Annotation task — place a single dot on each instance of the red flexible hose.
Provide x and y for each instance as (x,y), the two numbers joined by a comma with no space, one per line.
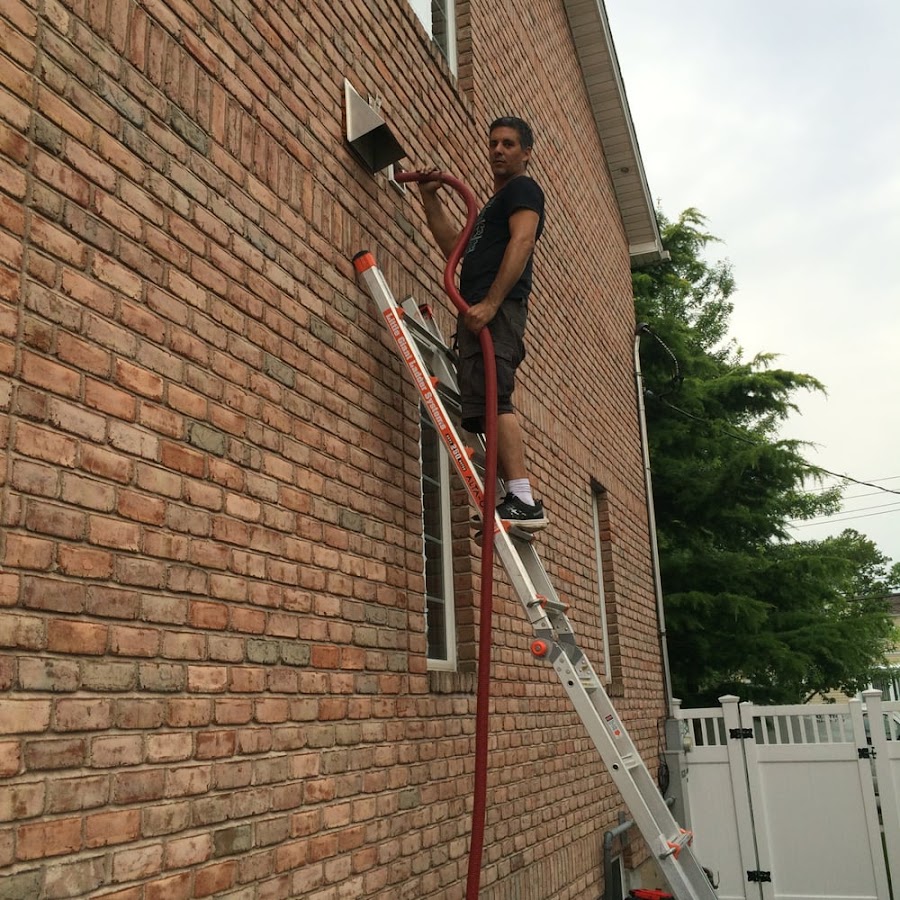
(479,806)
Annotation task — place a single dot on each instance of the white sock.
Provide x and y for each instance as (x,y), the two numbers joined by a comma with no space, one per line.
(521,487)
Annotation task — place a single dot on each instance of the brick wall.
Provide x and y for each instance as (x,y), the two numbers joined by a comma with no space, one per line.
(212,628)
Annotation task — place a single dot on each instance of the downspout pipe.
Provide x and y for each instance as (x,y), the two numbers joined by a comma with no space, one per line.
(642,329)
(482,704)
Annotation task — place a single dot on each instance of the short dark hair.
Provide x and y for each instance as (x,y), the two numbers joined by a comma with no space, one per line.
(526,135)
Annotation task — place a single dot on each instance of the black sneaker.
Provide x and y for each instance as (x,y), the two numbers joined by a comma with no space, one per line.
(518,513)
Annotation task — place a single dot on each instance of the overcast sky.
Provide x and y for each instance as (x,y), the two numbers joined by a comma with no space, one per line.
(780,121)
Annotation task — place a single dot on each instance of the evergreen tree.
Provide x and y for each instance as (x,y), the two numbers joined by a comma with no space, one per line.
(748,612)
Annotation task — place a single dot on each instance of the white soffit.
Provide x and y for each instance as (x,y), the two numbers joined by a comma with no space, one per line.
(606,92)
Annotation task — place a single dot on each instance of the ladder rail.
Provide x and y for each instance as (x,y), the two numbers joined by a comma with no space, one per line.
(555,637)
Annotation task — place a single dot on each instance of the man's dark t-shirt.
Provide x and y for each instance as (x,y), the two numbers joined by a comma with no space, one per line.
(487,245)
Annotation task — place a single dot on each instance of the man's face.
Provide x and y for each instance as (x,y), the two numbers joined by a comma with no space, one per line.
(508,157)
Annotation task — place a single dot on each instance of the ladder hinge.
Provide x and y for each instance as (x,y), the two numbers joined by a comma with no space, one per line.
(758,876)
(740,734)
(867,753)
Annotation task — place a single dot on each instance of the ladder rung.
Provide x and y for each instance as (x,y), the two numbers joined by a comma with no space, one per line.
(674,845)
(548,604)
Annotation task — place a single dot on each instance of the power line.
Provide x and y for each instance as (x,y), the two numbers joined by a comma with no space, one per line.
(821,490)
(845,519)
(844,512)
(740,437)
(678,378)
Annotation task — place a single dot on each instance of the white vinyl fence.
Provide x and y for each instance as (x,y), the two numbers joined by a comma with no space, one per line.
(795,802)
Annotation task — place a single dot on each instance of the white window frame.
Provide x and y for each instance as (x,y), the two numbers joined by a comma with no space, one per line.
(422,9)
(596,494)
(428,431)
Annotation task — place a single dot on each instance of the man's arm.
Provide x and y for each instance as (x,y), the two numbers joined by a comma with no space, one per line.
(445,232)
(523,225)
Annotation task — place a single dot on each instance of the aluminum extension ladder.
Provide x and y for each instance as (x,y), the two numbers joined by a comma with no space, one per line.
(426,355)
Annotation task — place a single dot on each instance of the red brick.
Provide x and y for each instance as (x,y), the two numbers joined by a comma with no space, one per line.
(40,443)
(106,464)
(55,754)
(187,781)
(182,459)
(47,374)
(113,603)
(159,481)
(116,276)
(233,712)
(215,878)
(89,293)
(141,572)
(127,641)
(106,828)
(10,758)
(48,839)
(70,794)
(27,552)
(133,893)
(140,863)
(137,380)
(141,508)
(74,419)
(27,632)
(110,400)
(138,786)
(113,752)
(24,716)
(51,593)
(66,636)
(48,518)
(165,544)
(82,355)
(188,851)
(62,178)
(166,818)
(83,563)
(169,747)
(208,615)
(249,621)
(207,679)
(113,533)
(88,493)
(140,713)
(176,887)
(57,243)
(187,713)
(161,420)
(133,440)
(83,715)
(9,588)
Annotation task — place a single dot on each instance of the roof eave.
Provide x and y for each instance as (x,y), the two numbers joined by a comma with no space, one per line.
(606,91)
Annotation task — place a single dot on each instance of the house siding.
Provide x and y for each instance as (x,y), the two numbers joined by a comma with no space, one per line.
(212,628)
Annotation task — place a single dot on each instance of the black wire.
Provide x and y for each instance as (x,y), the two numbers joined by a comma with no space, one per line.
(677,380)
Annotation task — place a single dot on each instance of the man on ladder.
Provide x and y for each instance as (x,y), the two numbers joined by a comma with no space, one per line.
(496,281)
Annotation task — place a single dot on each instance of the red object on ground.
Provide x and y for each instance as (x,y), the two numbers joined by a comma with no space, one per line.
(650,894)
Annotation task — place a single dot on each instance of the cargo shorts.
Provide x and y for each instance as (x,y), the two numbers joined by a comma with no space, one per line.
(508,331)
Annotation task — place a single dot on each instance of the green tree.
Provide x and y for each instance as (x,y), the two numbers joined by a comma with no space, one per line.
(748,611)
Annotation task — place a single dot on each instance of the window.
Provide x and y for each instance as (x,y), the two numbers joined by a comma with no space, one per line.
(616,887)
(439,19)
(440,623)
(887,681)
(612,663)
